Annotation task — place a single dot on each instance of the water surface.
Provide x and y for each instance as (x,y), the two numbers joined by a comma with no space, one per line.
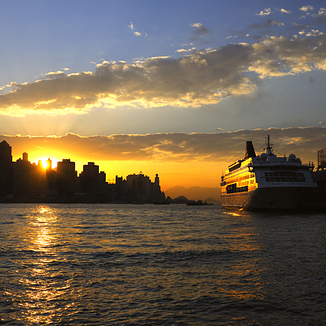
(160,265)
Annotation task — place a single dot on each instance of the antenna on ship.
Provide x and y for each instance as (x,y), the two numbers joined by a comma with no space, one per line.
(269,149)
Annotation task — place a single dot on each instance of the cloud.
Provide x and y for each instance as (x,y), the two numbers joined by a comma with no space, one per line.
(314,20)
(197,79)
(198,32)
(176,147)
(314,32)
(199,28)
(265,12)
(284,11)
(306,8)
(322,12)
(55,74)
(136,33)
(268,24)
(185,50)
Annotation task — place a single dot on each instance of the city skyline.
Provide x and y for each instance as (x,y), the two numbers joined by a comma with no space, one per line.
(206,155)
(174,88)
(25,181)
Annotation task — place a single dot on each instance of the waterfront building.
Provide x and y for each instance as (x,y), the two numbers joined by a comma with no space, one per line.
(26,181)
(6,171)
(66,178)
(92,182)
(319,176)
(141,189)
(28,178)
(89,179)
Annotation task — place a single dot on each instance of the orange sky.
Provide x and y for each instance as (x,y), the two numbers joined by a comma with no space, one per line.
(179,159)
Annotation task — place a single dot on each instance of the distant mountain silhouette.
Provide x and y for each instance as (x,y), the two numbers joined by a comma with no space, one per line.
(212,201)
(181,200)
(195,193)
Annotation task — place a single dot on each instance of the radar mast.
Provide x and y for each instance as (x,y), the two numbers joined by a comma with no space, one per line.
(269,149)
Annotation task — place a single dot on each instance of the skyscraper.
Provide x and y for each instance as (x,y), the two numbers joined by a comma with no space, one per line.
(90,179)
(66,177)
(5,169)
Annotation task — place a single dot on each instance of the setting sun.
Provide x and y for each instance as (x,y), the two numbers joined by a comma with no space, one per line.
(46,164)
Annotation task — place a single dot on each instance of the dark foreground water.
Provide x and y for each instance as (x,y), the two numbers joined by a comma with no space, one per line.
(160,265)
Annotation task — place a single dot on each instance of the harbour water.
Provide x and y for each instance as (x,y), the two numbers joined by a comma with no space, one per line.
(160,265)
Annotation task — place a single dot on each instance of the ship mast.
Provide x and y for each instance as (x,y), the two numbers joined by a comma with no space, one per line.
(269,149)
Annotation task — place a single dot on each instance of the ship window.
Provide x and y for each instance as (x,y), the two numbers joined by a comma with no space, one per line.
(233,188)
(285,176)
(284,167)
(234,167)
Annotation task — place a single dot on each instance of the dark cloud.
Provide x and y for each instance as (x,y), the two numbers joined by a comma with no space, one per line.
(177,147)
(199,29)
(265,25)
(198,33)
(311,21)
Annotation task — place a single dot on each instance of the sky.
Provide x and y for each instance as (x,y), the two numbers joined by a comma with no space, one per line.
(167,87)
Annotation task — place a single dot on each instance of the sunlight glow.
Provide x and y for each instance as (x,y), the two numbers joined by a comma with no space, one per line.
(46,164)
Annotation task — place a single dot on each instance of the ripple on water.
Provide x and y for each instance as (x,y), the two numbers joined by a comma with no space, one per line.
(131,265)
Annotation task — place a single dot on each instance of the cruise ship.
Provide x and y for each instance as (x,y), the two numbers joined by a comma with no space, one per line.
(266,181)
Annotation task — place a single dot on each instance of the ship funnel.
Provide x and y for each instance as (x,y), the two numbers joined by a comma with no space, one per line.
(250,151)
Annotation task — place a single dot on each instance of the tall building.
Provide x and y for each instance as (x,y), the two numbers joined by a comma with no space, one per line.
(6,172)
(22,177)
(48,164)
(319,176)
(139,186)
(321,160)
(90,179)
(28,179)
(120,190)
(157,195)
(51,179)
(66,178)
(141,189)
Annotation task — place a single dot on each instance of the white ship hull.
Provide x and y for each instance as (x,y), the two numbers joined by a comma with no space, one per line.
(268,198)
(267,181)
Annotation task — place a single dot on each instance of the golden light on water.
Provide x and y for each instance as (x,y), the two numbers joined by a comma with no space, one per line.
(243,272)
(43,236)
(41,288)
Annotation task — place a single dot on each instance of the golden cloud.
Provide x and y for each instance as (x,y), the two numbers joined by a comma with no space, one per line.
(201,78)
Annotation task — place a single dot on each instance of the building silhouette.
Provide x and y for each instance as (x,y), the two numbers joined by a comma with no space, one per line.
(66,178)
(319,176)
(89,179)
(138,188)
(23,181)
(6,170)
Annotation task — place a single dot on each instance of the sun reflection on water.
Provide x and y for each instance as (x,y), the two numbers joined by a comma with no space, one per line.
(232,213)
(42,284)
(43,237)
(242,282)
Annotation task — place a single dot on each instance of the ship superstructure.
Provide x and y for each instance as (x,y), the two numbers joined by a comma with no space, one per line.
(266,181)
